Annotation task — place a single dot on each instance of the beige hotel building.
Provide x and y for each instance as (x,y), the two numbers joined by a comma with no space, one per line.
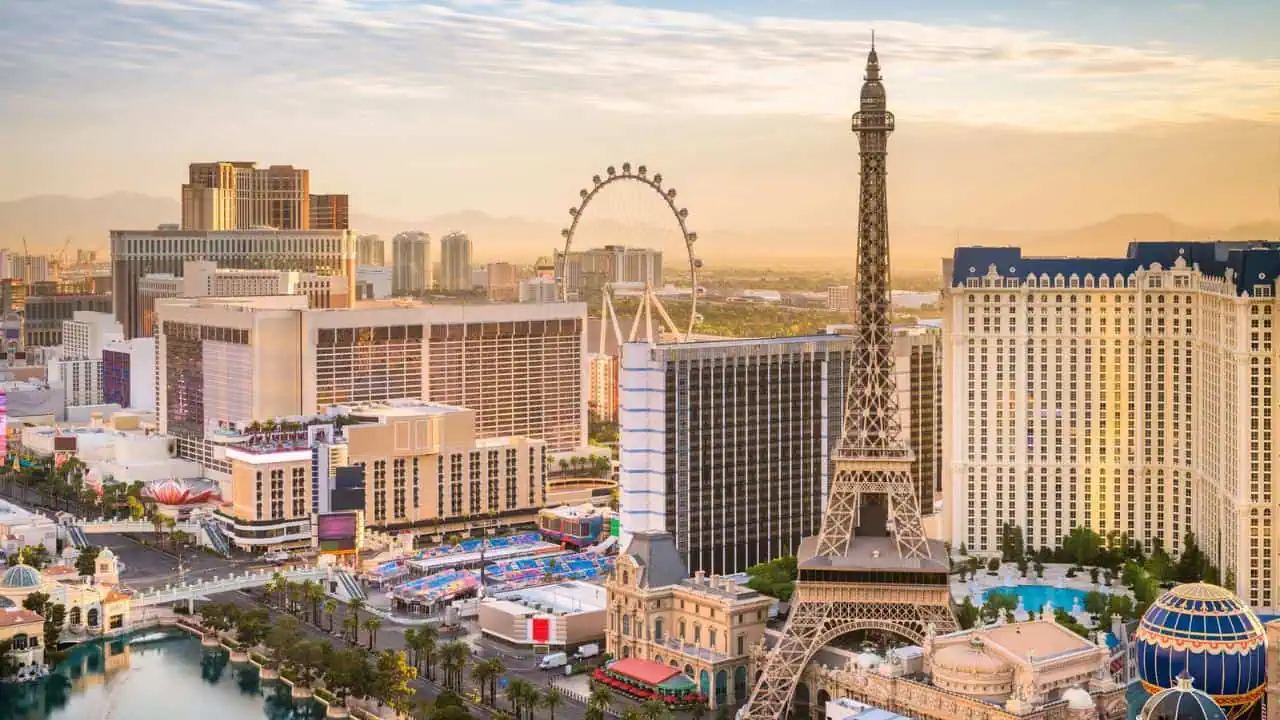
(424,469)
(1127,394)
(521,368)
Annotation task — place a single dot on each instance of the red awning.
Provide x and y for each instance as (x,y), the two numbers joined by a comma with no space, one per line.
(649,673)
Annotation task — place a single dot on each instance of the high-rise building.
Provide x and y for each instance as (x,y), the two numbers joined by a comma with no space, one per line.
(502,281)
(135,253)
(1128,395)
(51,304)
(30,269)
(519,367)
(80,380)
(242,196)
(129,374)
(423,464)
(370,250)
(840,298)
(585,271)
(726,444)
(602,378)
(455,262)
(539,290)
(410,263)
(87,333)
(329,212)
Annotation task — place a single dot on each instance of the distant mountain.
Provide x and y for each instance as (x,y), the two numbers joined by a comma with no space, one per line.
(48,220)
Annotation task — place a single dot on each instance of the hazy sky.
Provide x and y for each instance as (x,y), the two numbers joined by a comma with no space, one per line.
(1014,113)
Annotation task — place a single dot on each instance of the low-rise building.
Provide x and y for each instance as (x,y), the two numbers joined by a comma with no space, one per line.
(21,528)
(421,466)
(562,615)
(24,631)
(705,626)
(1036,670)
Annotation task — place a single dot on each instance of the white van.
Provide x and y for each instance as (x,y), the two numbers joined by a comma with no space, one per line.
(554,660)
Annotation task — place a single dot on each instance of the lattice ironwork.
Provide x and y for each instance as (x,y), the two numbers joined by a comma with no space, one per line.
(870,459)
(813,624)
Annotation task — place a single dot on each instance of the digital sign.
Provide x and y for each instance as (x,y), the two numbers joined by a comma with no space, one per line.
(337,532)
(4,424)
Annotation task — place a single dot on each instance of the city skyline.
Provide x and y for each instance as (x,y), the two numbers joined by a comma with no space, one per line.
(733,103)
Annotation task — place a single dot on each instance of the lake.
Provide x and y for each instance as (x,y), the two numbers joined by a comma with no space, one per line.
(152,676)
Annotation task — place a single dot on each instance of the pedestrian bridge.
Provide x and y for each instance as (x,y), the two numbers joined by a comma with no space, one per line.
(207,533)
(330,579)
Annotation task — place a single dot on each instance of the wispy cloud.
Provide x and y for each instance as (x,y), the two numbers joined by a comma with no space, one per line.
(613,56)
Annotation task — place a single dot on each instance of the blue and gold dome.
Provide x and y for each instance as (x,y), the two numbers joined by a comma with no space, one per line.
(1204,631)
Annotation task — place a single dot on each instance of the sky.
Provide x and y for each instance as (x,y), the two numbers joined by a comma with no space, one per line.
(1011,113)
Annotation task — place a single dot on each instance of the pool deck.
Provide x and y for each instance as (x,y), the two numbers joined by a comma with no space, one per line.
(1055,576)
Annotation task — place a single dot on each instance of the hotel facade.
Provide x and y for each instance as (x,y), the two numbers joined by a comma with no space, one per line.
(1128,395)
(423,466)
(137,253)
(521,368)
(726,444)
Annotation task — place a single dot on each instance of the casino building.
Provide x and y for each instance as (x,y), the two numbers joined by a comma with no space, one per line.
(1203,634)
(1129,395)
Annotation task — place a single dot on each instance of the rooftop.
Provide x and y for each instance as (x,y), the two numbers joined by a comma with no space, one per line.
(873,553)
(567,597)
(1251,262)
(1035,640)
(11,616)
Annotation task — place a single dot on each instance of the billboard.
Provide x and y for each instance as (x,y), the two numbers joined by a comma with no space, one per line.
(338,532)
(4,425)
(541,630)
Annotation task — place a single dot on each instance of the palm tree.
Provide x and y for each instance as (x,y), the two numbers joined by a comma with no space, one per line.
(551,699)
(631,712)
(699,711)
(330,609)
(351,628)
(499,670)
(312,591)
(482,673)
(600,700)
(654,710)
(515,694)
(371,626)
(294,591)
(453,659)
(428,639)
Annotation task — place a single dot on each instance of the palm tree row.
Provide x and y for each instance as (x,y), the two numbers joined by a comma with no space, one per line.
(345,672)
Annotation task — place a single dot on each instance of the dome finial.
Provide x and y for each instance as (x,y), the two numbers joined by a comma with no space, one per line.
(1185,681)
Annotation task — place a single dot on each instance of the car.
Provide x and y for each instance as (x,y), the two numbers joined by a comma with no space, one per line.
(276,557)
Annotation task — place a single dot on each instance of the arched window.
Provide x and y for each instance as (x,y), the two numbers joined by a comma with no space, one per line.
(73,617)
(682,635)
(711,638)
(93,617)
(20,641)
(626,624)
(697,633)
(657,630)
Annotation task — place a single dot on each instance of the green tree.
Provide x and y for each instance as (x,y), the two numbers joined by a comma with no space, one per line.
(314,594)
(137,510)
(968,615)
(391,680)
(8,665)
(482,672)
(36,602)
(776,578)
(552,698)
(37,556)
(1095,603)
(654,710)
(993,565)
(330,609)
(85,562)
(1064,619)
(1011,543)
(1082,545)
(453,660)
(55,616)
(371,625)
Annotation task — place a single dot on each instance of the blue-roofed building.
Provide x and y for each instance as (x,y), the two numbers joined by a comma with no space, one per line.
(1127,394)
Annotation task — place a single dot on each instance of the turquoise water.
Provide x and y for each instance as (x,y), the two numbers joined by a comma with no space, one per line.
(172,677)
(1035,596)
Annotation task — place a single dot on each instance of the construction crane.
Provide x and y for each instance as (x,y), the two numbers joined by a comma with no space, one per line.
(62,255)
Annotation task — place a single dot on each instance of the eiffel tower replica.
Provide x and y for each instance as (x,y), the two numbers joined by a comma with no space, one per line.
(871,567)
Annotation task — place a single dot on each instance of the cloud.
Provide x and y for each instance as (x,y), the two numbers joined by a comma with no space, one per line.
(613,56)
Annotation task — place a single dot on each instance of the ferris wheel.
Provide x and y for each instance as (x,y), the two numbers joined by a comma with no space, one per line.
(649,304)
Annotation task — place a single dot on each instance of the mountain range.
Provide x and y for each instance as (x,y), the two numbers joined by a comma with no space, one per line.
(48,222)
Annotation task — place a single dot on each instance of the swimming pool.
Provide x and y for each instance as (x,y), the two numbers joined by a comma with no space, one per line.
(1035,596)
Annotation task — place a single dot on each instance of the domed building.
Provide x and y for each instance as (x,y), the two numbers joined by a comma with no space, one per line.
(18,582)
(1181,702)
(1205,632)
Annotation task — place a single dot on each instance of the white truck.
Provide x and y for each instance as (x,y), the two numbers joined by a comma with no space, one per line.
(589,650)
(553,661)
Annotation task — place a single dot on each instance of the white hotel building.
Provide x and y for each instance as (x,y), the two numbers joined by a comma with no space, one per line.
(1124,394)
